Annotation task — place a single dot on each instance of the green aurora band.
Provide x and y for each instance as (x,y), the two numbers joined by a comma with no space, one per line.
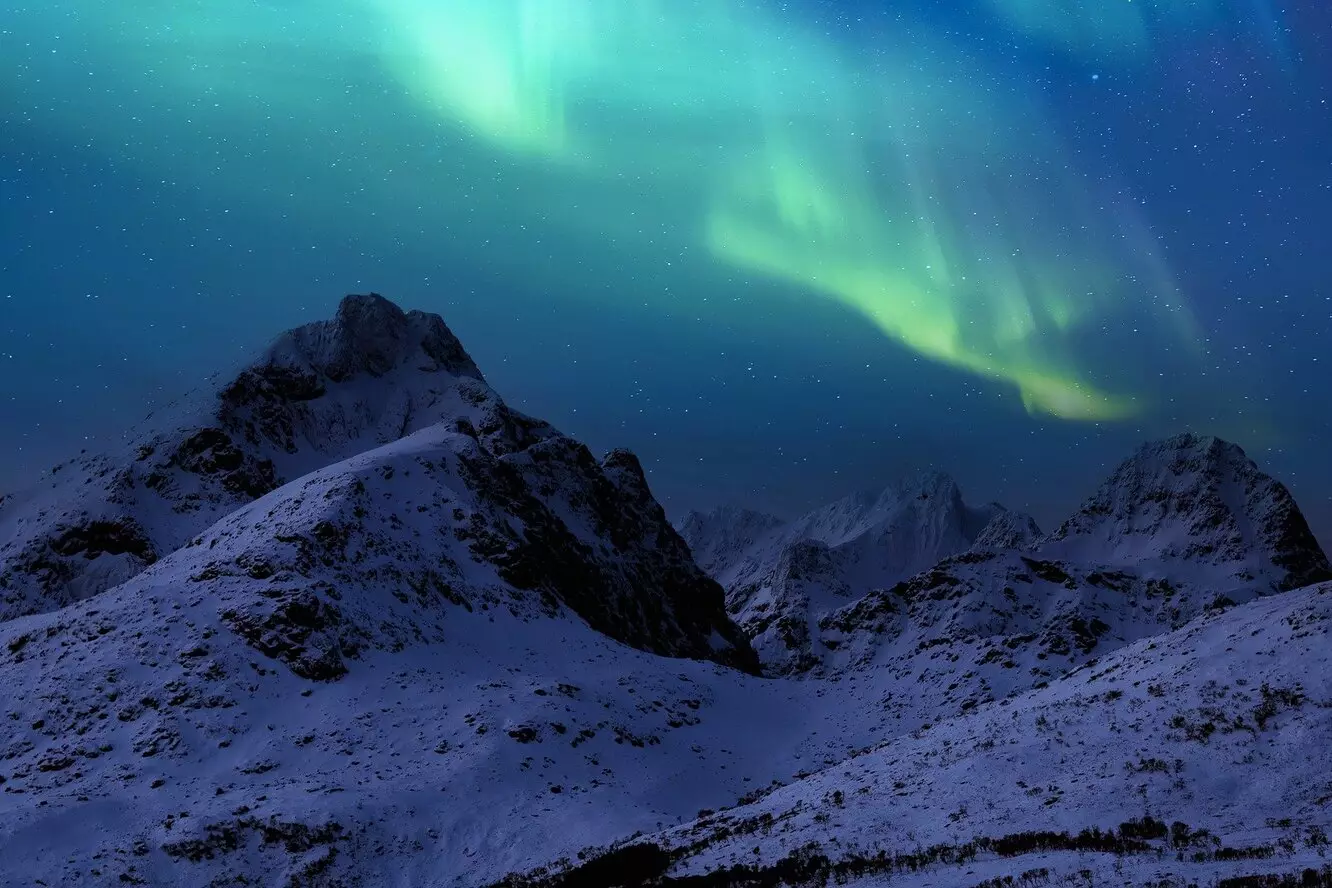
(895,175)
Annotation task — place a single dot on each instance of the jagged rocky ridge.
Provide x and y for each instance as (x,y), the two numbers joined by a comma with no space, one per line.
(1202,501)
(782,578)
(1185,525)
(318,394)
(496,487)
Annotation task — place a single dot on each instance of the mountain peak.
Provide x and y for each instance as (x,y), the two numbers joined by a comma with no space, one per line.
(922,485)
(1007,530)
(371,335)
(924,481)
(1200,498)
(719,539)
(927,502)
(320,393)
(1185,444)
(372,368)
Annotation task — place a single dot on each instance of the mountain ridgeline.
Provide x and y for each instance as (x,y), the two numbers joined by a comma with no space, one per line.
(352,398)
(346,618)
(1180,525)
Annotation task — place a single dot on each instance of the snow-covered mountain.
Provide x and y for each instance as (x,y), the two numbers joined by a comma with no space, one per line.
(1008,530)
(720,538)
(1198,501)
(1182,526)
(781,578)
(442,644)
(330,687)
(318,394)
(512,491)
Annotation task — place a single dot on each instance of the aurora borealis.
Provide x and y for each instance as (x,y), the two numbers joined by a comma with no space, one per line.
(967,215)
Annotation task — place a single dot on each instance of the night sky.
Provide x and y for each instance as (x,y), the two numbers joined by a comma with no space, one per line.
(782,250)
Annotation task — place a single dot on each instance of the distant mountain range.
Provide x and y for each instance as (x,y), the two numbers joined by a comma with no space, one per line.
(1182,524)
(349,619)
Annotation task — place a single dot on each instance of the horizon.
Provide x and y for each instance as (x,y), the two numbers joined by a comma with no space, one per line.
(780,251)
(1048,523)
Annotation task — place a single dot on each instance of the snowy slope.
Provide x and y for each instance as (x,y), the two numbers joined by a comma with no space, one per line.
(319,393)
(356,634)
(455,645)
(782,579)
(1198,755)
(982,625)
(337,684)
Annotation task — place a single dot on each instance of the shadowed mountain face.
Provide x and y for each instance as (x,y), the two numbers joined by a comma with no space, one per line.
(549,517)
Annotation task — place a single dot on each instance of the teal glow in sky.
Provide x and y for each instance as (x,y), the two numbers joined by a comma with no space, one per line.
(1137,30)
(984,196)
(951,218)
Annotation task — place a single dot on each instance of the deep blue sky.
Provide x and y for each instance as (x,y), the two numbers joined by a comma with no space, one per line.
(176,190)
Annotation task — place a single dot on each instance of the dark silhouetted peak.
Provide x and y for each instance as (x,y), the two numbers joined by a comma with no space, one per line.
(1198,498)
(371,335)
(923,512)
(1008,530)
(371,331)
(625,471)
(371,374)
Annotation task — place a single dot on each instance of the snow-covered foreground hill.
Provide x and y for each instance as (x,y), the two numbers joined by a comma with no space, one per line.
(146,739)
(333,685)
(444,645)
(1193,757)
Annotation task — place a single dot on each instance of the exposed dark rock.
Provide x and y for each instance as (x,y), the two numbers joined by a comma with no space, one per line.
(119,537)
(642,587)
(225,838)
(212,452)
(296,628)
(371,335)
